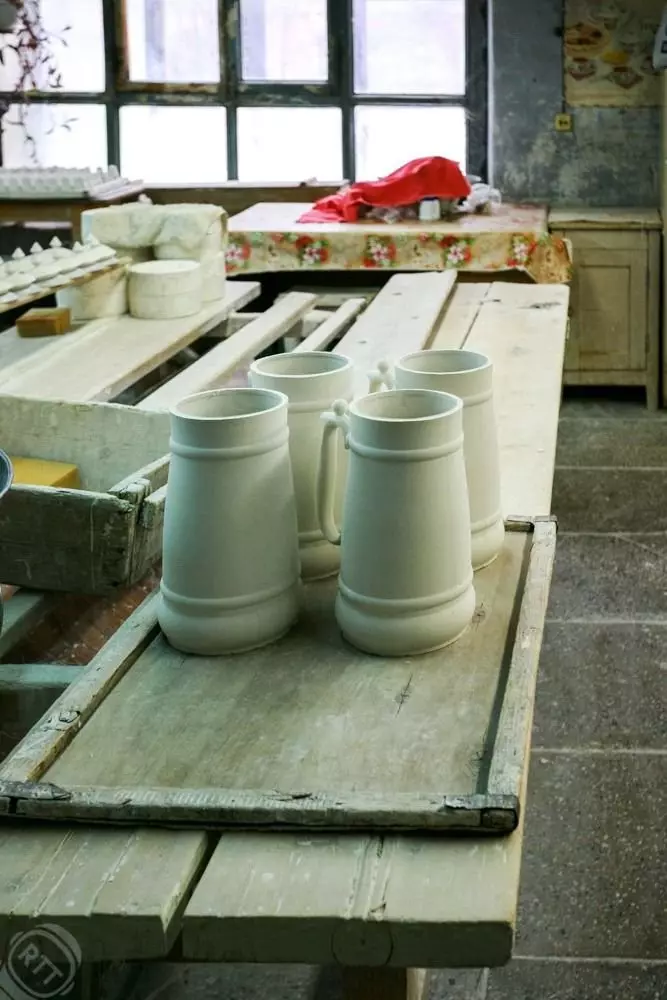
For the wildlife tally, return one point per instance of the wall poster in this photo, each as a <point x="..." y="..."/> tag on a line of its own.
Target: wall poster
<point x="608" y="53"/>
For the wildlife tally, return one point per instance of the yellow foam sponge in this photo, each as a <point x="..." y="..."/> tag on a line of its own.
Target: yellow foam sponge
<point x="43" y="472"/>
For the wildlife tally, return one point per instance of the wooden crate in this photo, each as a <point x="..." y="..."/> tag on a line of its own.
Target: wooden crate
<point x="308" y="732"/>
<point x="100" y="537"/>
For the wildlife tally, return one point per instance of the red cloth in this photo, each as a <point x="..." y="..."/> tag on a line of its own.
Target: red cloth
<point x="429" y="177"/>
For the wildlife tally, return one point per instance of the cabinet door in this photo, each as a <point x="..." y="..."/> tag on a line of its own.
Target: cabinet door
<point x="609" y="311"/>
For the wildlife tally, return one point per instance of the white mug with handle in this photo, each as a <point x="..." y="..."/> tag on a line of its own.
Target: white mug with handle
<point x="468" y="375"/>
<point x="405" y="584"/>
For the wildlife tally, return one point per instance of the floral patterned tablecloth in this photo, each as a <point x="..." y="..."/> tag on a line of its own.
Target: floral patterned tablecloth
<point x="267" y="237"/>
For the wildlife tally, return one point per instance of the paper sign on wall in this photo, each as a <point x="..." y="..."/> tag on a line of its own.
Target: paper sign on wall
<point x="609" y="53"/>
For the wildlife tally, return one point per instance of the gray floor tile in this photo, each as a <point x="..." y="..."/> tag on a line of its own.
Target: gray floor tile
<point x="225" y="982"/>
<point x="610" y="499"/>
<point x="624" y="404"/>
<point x="535" y="980"/>
<point x="602" y="686"/>
<point x="603" y="442"/>
<point x="594" y="879"/>
<point x="609" y="576"/>
<point x="281" y="982"/>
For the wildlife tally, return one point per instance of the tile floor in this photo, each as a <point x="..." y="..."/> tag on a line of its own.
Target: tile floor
<point x="593" y="913"/>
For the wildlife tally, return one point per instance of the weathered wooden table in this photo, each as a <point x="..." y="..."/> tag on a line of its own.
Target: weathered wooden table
<point x="383" y="906"/>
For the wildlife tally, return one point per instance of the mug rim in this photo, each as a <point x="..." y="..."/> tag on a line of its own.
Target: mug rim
<point x="277" y="401"/>
<point x="483" y="361"/>
<point x="257" y="365"/>
<point x="454" y="405"/>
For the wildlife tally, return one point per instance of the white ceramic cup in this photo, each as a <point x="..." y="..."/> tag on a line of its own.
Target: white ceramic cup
<point x="405" y="584"/>
<point x="469" y="376"/>
<point x="230" y="563"/>
<point x="311" y="380"/>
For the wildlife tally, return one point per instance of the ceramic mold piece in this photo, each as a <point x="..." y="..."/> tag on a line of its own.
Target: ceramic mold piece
<point x="469" y="376"/>
<point x="402" y="590"/>
<point x="18" y="262"/>
<point x="230" y="562"/>
<point x="312" y="381"/>
<point x="165" y="289"/>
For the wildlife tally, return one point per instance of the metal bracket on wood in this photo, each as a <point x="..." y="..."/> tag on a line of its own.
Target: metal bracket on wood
<point x="32" y="791"/>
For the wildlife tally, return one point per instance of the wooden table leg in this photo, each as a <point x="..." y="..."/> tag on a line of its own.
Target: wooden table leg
<point x="384" y="984"/>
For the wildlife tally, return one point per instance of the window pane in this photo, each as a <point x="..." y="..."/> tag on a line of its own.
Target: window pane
<point x="173" y="145"/>
<point x="409" y="46"/>
<point x="388" y="137"/>
<point x="65" y="135"/>
<point x="284" y="40"/>
<point x="172" y="41"/>
<point x="289" y="144"/>
<point x="76" y="31"/>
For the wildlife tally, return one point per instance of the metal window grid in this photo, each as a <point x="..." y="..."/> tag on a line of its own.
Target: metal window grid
<point x="233" y="92"/>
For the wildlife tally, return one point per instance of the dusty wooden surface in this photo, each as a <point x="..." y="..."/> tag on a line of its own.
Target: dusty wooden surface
<point x="605" y="218"/>
<point x="104" y="357"/>
<point x="354" y="739"/>
<point x="367" y="900"/>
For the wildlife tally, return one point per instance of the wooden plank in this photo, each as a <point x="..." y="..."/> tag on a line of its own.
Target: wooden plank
<point x="70" y="712"/>
<point x="106" y="357"/>
<point x="375" y="901"/>
<point x="400" y="319"/>
<point x="514" y="721"/>
<point x="219" y="364"/>
<point x="214" y="809"/>
<point x="605" y="218"/>
<point x="461" y="312"/>
<point x="119" y="892"/>
<point x="71" y="558"/>
<point x="338" y="323"/>
<point x="522" y="329"/>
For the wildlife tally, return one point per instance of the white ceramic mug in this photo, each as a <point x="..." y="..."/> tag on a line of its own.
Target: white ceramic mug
<point x="312" y="381"/>
<point x="230" y="563"/>
<point x="405" y="583"/>
<point x="469" y="376"/>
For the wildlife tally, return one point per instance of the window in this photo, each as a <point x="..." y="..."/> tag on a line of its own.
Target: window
<point x="200" y="91"/>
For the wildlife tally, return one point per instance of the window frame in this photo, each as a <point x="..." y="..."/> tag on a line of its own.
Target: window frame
<point x="234" y="93"/>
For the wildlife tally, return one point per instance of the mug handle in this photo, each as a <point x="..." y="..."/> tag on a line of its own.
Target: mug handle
<point x="382" y="377"/>
<point x="335" y="420"/>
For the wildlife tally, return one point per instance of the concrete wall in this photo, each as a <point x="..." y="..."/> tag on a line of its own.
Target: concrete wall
<point x="612" y="156"/>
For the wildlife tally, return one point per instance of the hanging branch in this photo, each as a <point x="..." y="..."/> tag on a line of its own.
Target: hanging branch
<point x="33" y="46"/>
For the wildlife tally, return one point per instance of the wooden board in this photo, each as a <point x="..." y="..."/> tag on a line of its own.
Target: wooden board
<point x="353" y="739"/>
<point x="400" y="319"/>
<point x="214" y="368"/>
<point x="522" y="329"/>
<point x="605" y="218"/>
<point x="106" y="356"/>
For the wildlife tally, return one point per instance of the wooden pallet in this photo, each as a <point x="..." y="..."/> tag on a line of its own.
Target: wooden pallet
<point x="336" y="739"/>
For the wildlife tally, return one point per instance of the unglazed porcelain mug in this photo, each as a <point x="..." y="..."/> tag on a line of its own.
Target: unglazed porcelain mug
<point x="312" y="381"/>
<point x="469" y="376"/>
<point x="406" y="582"/>
<point x="230" y="563"/>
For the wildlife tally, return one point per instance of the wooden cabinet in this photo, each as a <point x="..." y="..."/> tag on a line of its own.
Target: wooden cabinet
<point x="614" y="334"/>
